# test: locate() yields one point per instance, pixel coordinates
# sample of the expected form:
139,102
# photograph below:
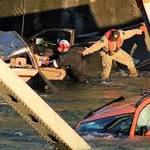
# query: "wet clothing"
114,52
74,63
120,56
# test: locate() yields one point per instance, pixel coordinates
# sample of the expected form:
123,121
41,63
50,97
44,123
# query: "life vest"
119,42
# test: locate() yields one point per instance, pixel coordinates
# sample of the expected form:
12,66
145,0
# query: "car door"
141,119
143,122
16,53
23,65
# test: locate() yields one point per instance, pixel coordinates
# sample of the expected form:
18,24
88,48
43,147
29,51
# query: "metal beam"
37,112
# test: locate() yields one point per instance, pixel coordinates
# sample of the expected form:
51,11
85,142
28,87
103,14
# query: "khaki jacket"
102,44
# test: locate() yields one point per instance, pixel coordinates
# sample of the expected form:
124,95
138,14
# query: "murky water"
72,102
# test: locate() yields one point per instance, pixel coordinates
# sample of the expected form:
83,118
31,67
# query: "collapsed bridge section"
37,112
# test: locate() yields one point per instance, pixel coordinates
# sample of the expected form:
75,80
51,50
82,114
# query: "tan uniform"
120,56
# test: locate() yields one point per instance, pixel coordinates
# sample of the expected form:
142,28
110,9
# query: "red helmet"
63,46
114,35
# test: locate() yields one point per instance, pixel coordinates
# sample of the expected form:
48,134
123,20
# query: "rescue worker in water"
109,47
71,60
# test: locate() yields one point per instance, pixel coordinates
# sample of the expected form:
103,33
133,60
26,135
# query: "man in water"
109,47
71,59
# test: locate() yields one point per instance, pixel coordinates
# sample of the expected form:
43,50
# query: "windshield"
119,125
52,37
10,42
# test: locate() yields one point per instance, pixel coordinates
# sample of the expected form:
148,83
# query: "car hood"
115,109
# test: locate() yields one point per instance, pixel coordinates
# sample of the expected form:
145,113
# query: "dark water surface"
72,102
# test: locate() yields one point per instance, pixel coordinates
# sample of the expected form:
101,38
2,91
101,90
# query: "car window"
10,42
144,118
119,125
52,37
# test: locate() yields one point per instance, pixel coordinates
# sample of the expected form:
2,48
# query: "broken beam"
37,112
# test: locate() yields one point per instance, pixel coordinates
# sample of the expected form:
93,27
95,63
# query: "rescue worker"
71,59
109,47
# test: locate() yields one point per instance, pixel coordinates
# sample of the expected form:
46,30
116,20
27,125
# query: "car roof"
115,109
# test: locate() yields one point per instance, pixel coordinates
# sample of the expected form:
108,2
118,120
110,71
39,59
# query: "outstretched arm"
130,33
95,47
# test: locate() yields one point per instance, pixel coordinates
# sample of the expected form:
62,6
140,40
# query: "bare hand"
85,52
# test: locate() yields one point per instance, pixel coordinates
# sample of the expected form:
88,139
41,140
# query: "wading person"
71,59
109,47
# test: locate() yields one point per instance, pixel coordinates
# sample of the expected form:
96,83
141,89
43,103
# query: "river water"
72,102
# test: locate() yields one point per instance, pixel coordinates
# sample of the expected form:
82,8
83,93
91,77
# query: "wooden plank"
37,112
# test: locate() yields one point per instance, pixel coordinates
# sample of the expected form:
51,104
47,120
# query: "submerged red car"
122,117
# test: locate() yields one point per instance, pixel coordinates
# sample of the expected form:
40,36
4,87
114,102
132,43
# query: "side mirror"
143,130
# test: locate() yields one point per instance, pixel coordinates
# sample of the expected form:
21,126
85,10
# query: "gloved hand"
143,27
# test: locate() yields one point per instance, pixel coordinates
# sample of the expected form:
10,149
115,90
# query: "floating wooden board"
37,112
